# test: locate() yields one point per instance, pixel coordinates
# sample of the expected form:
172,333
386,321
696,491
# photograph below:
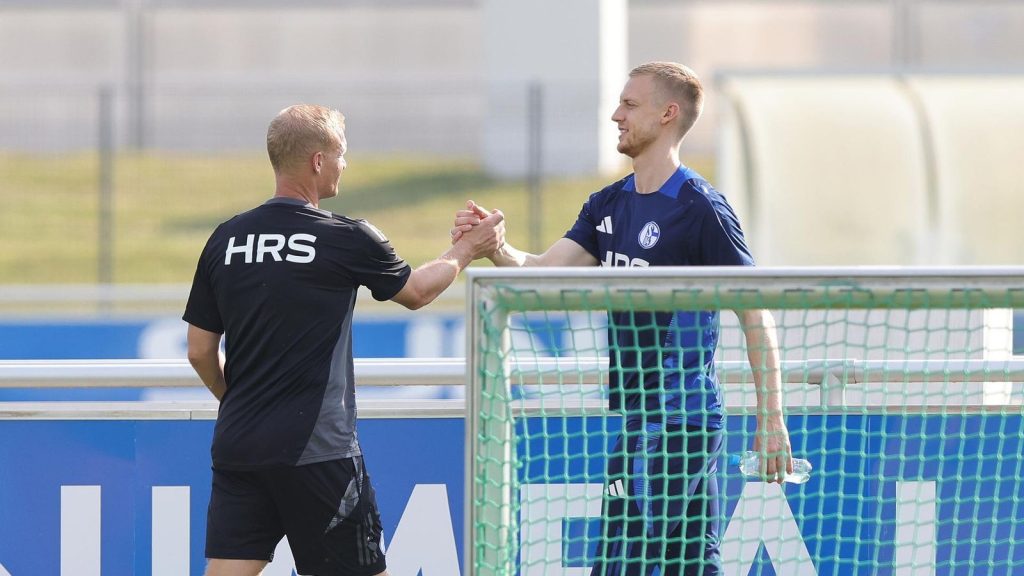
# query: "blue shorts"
661,505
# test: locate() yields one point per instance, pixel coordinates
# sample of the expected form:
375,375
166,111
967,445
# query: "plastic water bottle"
749,463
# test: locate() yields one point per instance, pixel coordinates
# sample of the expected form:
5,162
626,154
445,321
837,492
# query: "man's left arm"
206,358
772,437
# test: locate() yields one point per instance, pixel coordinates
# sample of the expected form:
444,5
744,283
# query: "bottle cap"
734,459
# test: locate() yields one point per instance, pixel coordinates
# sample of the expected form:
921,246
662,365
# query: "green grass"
167,204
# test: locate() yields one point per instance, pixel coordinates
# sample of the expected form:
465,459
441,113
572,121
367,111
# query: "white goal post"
899,312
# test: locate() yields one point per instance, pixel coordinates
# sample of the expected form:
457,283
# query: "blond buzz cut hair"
299,131
679,83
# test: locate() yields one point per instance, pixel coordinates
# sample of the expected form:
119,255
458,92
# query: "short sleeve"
584,231
722,242
201,310
376,265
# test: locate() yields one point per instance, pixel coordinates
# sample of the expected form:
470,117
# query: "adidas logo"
605,225
616,489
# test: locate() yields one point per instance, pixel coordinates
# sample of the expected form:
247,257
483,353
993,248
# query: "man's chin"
626,150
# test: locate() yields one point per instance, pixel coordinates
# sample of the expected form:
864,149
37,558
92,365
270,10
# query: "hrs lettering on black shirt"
280,283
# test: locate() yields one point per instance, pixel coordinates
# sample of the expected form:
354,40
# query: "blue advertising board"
164,337
425,335
944,491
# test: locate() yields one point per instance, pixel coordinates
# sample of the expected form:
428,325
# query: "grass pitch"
167,204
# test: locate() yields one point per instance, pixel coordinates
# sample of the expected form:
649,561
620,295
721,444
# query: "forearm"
772,437
436,276
511,256
210,368
428,281
763,355
564,252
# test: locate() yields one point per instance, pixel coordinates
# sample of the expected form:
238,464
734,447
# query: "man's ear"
317,162
671,113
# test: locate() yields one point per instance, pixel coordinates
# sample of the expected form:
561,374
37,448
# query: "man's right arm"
429,280
564,252
206,358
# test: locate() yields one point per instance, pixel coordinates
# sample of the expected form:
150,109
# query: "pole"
534,166
904,35
105,258
135,71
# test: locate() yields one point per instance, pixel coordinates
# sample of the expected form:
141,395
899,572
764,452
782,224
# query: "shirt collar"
669,188
289,201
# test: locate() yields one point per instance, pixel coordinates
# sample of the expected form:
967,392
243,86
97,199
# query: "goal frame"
670,288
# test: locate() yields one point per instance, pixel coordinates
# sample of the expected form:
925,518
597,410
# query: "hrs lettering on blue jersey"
614,259
297,248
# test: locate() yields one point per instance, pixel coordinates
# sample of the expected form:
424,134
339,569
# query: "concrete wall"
411,74
213,78
574,57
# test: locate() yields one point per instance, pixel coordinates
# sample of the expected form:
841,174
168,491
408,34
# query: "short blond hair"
679,83
300,131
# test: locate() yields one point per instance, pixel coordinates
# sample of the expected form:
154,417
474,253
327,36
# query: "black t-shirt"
280,283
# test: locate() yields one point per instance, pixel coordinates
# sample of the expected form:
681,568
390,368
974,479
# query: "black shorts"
327,510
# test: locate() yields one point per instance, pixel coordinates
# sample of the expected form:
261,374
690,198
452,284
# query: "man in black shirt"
279,282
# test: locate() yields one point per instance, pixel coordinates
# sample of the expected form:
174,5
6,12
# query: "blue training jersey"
662,364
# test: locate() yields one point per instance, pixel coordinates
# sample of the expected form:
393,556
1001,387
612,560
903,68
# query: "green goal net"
900,387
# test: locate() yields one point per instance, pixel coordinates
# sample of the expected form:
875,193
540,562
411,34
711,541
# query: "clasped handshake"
479,230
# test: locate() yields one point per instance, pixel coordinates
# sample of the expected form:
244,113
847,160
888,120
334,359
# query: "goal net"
900,387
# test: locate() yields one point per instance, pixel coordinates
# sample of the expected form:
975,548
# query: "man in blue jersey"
661,506
279,283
